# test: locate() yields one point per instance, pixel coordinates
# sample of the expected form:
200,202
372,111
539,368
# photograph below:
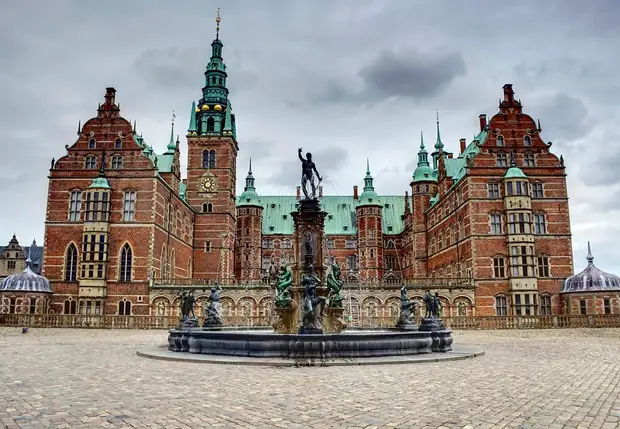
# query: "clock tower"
211,172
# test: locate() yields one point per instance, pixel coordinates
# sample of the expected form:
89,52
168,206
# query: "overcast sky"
346,80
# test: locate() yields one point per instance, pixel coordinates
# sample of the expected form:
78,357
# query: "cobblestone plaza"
63,378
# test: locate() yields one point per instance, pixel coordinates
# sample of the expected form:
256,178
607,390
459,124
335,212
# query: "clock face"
207,184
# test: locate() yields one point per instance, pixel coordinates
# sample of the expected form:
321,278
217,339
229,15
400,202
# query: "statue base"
442,337
287,319
309,205
310,330
188,323
334,323
406,327
212,322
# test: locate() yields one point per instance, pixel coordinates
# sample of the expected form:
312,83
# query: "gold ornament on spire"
217,23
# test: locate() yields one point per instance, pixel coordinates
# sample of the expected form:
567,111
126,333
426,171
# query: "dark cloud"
564,118
604,173
171,68
408,74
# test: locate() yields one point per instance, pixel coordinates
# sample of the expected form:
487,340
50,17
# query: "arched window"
171,267
117,162
124,307
91,162
70,306
71,263
210,124
92,143
527,141
207,207
125,266
118,144
500,141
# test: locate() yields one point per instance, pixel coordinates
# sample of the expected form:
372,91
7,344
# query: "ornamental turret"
249,232
522,283
369,215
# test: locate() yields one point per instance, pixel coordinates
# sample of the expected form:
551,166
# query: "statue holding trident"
308,170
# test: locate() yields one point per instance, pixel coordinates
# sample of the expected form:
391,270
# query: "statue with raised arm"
212,309
334,285
308,170
284,285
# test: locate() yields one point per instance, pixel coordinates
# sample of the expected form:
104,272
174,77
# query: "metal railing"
255,322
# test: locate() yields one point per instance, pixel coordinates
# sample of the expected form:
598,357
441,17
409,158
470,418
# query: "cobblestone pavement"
61,378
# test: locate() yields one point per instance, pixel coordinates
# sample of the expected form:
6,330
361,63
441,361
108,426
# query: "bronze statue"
308,170
283,287
437,306
212,310
334,285
313,305
187,305
407,308
308,244
428,303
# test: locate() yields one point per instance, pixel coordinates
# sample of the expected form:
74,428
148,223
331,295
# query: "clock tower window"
210,125
207,207
208,159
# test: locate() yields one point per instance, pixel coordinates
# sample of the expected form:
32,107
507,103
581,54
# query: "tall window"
69,306
71,263
537,190
125,266
91,162
521,261
583,306
208,159
501,160
543,266
519,223
94,256
390,262
210,125
352,262
499,267
545,305
117,162
75,205
527,141
501,305
129,206
124,308
11,265
97,206
493,190
92,143
528,159
208,246
500,141
606,306
540,226
118,144
496,223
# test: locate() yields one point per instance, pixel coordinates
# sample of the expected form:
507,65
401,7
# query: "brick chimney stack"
463,143
509,94
110,96
355,196
483,122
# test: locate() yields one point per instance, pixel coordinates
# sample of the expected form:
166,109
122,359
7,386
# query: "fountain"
309,310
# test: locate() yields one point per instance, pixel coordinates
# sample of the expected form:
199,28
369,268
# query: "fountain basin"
266,344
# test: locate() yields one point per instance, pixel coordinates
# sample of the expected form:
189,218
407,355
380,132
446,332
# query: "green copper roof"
438,143
368,196
100,182
171,145
183,191
249,197
423,172
192,119
514,172
340,220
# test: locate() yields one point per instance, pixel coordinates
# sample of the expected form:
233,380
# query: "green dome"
423,172
249,197
368,196
100,182
514,173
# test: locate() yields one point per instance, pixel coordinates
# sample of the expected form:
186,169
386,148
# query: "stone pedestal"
288,319
188,323
333,323
442,337
308,219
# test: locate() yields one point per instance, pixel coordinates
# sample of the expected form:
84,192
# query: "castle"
488,228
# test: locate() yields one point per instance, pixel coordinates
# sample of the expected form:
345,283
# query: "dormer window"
387,205
345,228
91,162
527,141
273,206
117,162
272,228
92,143
118,144
500,141
284,217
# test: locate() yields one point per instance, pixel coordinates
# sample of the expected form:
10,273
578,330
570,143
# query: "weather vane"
217,24
173,117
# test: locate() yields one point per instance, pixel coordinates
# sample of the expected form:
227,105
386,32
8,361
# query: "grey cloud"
604,173
408,74
172,67
564,118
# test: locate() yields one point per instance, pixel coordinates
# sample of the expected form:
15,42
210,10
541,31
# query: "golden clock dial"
207,184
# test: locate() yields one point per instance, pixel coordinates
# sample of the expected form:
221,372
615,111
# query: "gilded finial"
173,117
217,24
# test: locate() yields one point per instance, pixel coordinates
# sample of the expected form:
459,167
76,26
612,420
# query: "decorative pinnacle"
367,166
513,163
217,24
250,170
590,258
421,139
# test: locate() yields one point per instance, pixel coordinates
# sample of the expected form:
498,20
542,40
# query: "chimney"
298,193
483,122
110,96
320,192
355,196
463,142
509,94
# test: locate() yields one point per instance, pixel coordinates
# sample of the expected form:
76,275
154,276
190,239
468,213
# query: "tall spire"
249,180
438,144
171,144
192,120
423,172
217,24
249,197
590,258
368,185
